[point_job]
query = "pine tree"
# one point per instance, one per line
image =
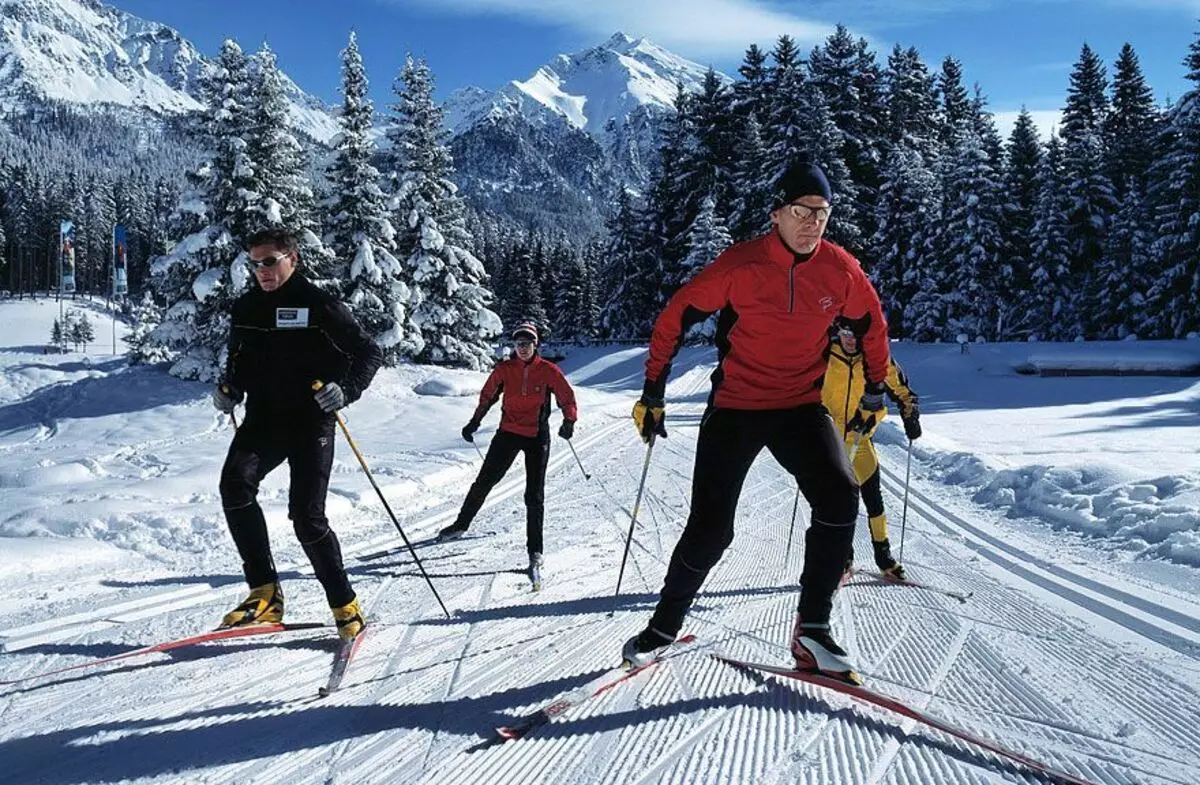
(376, 286)
(954, 117)
(1093, 203)
(206, 270)
(845, 71)
(1134, 119)
(523, 286)
(81, 331)
(906, 220)
(1052, 303)
(1023, 161)
(912, 101)
(281, 171)
(58, 335)
(576, 298)
(146, 316)
(752, 183)
(971, 243)
(451, 310)
(633, 280)
(1172, 304)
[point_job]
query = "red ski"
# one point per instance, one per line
(891, 704)
(958, 595)
(219, 634)
(597, 686)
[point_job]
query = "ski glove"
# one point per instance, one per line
(330, 397)
(912, 425)
(468, 431)
(870, 410)
(648, 415)
(226, 397)
(567, 429)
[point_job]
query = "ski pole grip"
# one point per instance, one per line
(317, 384)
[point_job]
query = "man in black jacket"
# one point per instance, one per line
(285, 335)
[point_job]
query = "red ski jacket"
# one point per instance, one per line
(526, 387)
(773, 329)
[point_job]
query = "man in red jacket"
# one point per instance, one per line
(526, 381)
(777, 296)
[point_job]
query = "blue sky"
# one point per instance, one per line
(1020, 51)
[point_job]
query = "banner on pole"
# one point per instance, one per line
(120, 263)
(66, 257)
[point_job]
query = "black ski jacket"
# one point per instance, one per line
(282, 341)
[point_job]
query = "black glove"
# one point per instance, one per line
(226, 397)
(649, 416)
(567, 429)
(870, 410)
(468, 431)
(912, 425)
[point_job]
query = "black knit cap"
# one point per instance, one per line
(801, 179)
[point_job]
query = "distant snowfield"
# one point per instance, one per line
(1069, 506)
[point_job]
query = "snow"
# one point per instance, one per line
(1069, 505)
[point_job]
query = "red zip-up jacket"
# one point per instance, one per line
(774, 324)
(526, 387)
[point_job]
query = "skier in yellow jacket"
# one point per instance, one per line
(845, 378)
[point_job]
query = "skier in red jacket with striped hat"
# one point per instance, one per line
(777, 296)
(526, 381)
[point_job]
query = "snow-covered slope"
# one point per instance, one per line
(1080, 648)
(87, 54)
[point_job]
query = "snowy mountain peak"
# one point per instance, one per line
(84, 52)
(587, 89)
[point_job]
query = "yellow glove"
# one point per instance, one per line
(649, 416)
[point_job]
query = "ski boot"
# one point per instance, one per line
(263, 606)
(815, 650)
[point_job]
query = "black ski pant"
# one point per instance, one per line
(872, 495)
(258, 448)
(806, 443)
(500, 456)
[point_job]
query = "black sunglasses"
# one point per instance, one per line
(524, 343)
(270, 261)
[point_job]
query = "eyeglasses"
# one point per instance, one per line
(802, 212)
(270, 261)
(524, 343)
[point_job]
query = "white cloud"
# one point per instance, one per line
(1045, 120)
(719, 29)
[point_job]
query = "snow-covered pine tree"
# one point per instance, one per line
(523, 295)
(452, 312)
(971, 243)
(633, 277)
(1053, 299)
(146, 316)
(907, 211)
(1133, 120)
(844, 69)
(707, 239)
(954, 115)
(1024, 155)
(1093, 202)
(206, 270)
(912, 101)
(81, 331)
(576, 309)
(752, 184)
(281, 172)
(358, 230)
(1173, 304)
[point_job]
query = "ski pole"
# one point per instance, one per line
(317, 385)
(476, 446)
(586, 476)
(633, 520)
(904, 515)
(787, 556)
